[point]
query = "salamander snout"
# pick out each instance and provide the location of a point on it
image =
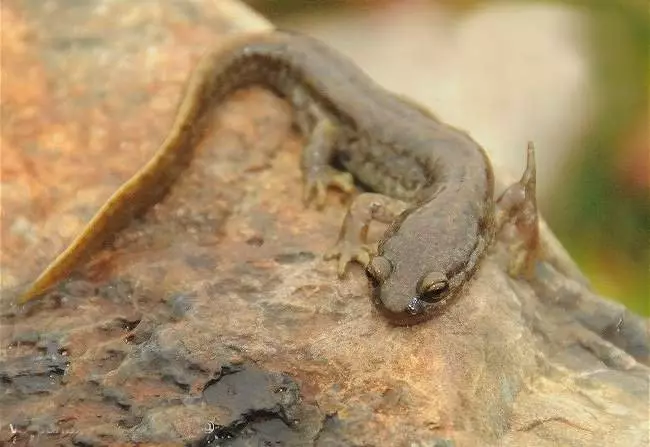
(407, 295)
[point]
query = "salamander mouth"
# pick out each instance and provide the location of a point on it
(417, 311)
(404, 318)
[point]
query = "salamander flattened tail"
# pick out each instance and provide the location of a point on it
(145, 188)
(58, 269)
(517, 218)
(352, 244)
(114, 214)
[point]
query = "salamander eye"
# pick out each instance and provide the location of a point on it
(379, 269)
(432, 287)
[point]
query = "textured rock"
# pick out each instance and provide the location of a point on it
(214, 320)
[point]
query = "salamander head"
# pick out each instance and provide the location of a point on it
(408, 294)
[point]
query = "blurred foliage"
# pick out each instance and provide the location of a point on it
(281, 8)
(601, 210)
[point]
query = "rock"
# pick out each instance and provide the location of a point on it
(215, 320)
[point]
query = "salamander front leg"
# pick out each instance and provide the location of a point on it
(316, 165)
(517, 220)
(352, 244)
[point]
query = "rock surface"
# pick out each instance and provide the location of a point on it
(214, 320)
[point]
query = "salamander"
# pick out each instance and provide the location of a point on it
(431, 182)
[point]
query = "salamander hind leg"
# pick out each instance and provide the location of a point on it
(316, 165)
(352, 244)
(517, 220)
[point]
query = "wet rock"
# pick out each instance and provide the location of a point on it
(244, 389)
(36, 374)
(263, 408)
(80, 440)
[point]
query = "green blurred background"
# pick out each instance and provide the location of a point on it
(600, 205)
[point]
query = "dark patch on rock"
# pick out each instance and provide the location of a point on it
(244, 284)
(201, 262)
(245, 388)
(263, 406)
(257, 240)
(84, 440)
(118, 290)
(259, 429)
(28, 375)
(295, 258)
(180, 304)
(118, 326)
(142, 332)
(152, 359)
(284, 314)
(108, 359)
(50, 344)
(330, 432)
(227, 285)
(117, 397)
(130, 421)
(128, 324)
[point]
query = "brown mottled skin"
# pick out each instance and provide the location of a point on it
(411, 160)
